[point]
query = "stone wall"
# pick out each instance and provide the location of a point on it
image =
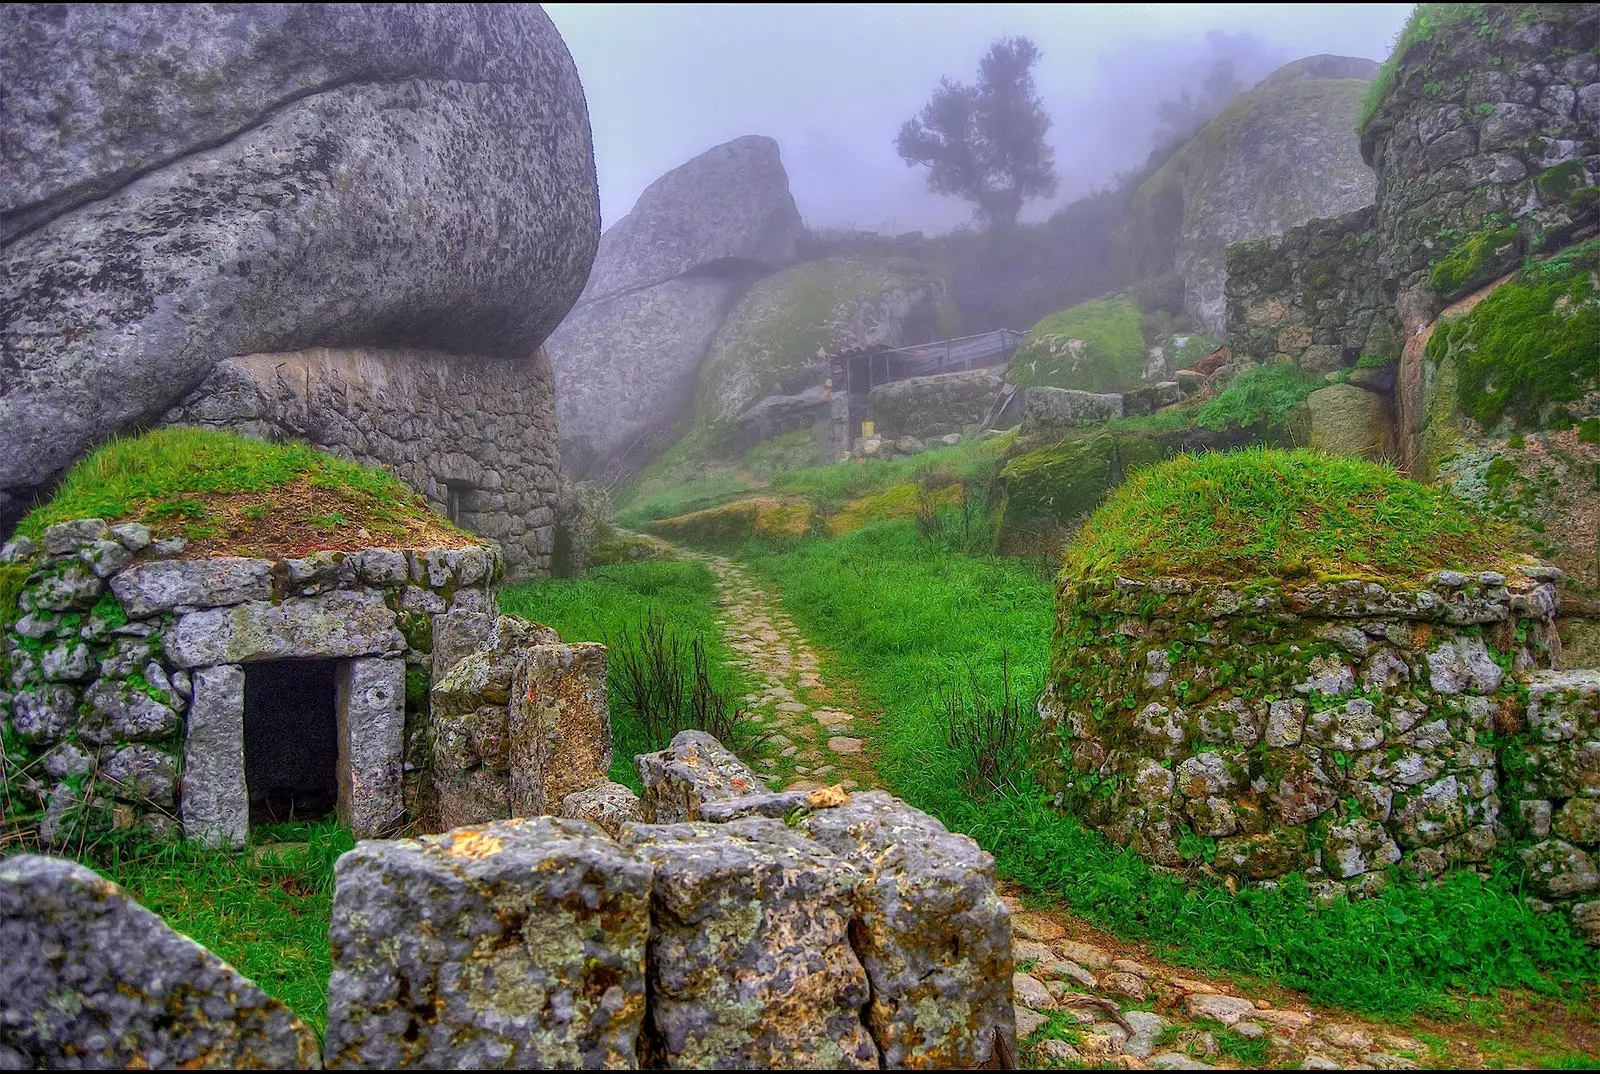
(1488, 129)
(126, 668)
(1312, 295)
(1330, 729)
(476, 436)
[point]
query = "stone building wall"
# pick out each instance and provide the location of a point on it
(1332, 729)
(127, 671)
(476, 436)
(1312, 295)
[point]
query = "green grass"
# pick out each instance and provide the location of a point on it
(609, 600)
(265, 915)
(1426, 21)
(830, 487)
(1261, 513)
(1112, 357)
(1263, 395)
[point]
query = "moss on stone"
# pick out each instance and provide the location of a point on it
(763, 516)
(1531, 345)
(1270, 514)
(1426, 22)
(1094, 347)
(1476, 260)
(1557, 184)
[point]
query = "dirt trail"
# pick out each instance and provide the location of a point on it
(1085, 997)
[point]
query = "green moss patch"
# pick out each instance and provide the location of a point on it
(1261, 513)
(224, 492)
(1532, 344)
(1095, 347)
(1478, 259)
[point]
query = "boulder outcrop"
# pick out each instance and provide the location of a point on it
(664, 278)
(186, 184)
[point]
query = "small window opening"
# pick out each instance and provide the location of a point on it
(456, 499)
(291, 740)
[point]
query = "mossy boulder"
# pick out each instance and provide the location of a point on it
(1095, 346)
(761, 516)
(1348, 420)
(774, 339)
(1277, 156)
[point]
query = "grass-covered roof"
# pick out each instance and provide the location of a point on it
(227, 494)
(1260, 514)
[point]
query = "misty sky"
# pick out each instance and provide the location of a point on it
(833, 83)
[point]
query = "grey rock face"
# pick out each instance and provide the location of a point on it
(939, 405)
(693, 770)
(163, 585)
(119, 710)
(610, 805)
(750, 961)
(517, 944)
(731, 203)
(558, 726)
(1049, 409)
(371, 706)
(933, 934)
(375, 174)
(141, 995)
(216, 806)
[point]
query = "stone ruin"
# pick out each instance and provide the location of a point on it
(1330, 729)
(202, 695)
(710, 923)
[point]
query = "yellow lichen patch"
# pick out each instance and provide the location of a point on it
(473, 843)
(828, 797)
(763, 516)
(899, 501)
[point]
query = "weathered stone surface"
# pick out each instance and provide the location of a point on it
(215, 805)
(779, 805)
(163, 585)
(120, 710)
(371, 713)
(933, 406)
(693, 770)
(1347, 420)
(933, 934)
(1051, 409)
(750, 958)
(609, 805)
(559, 726)
(514, 944)
(45, 714)
(376, 174)
(1225, 1009)
(339, 624)
(1560, 870)
(457, 634)
(91, 978)
(143, 774)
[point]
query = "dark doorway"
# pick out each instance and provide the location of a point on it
(291, 740)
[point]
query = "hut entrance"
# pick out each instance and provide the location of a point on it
(291, 740)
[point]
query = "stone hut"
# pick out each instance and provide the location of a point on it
(1329, 726)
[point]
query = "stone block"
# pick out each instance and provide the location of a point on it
(119, 710)
(45, 713)
(371, 718)
(332, 626)
(693, 770)
(750, 960)
(518, 944)
(92, 979)
(1067, 408)
(932, 934)
(215, 807)
(162, 585)
(1559, 870)
(559, 726)
(609, 805)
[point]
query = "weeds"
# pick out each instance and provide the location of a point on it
(663, 683)
(992, 740)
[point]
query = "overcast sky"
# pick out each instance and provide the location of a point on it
(833, 83)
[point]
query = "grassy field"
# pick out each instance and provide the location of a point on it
(896, 614)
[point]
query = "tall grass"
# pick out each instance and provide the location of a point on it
(894, 614)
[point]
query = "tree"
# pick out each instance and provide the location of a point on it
(985, 143)
(1180, 118)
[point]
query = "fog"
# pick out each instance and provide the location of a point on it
(833, 83)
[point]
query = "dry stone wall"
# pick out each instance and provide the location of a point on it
(1331, 729)
(126, 671)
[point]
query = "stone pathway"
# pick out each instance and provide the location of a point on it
(814, 736)
(1084, 998)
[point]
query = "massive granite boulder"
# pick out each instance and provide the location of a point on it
(667, 273)
(773, 341)
(182, 184)
(1281, 154)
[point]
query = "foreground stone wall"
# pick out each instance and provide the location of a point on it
(475, 436)
(127, 668)
(1330, 729)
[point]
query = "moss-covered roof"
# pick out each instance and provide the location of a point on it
(227, 494)
(1095, 346)
(1260, 514)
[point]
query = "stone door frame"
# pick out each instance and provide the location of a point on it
(369, 710)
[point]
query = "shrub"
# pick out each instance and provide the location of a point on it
(992, 739)
(664, 685)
